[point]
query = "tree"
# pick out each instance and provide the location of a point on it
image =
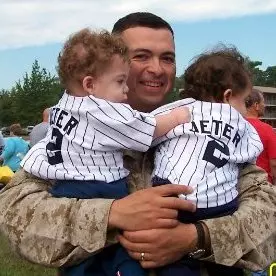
(174, 94)
(257, 74)
(34, 93)
(270, 76)
(262, 77)
(6, 104)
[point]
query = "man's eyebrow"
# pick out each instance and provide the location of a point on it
(141, 50)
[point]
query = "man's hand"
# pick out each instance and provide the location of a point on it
(150, 208)
(160, 246)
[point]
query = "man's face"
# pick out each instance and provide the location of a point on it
(261, 107)
(152, 66)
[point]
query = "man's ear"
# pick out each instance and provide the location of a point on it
(227, 95)
(256, 106)
(88, 85)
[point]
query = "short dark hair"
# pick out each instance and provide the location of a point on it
(214, 72)
(141, 19)
(254, 97)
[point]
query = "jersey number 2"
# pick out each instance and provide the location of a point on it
(53, 148)
(209, 154)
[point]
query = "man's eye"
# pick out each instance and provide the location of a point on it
(120, 81)
(140, 57)
(169, 59)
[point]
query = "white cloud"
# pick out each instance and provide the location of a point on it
(37, 22)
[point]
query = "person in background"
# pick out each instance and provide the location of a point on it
(2, 143)
(255, 109)
(15, 148)
(1, 150)
(40, 130)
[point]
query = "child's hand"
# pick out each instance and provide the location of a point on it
(181, 114)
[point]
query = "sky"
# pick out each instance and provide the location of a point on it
(36, 29)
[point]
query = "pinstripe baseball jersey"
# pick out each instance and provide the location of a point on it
(85, 140)
(207, 152)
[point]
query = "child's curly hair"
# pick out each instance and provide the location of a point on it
(213, 72)
(88, 53)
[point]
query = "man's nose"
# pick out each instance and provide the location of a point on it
(155, 66)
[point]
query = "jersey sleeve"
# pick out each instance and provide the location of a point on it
(249, 145)
(178, 130)
(118, 126)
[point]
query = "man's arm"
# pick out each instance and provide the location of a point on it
(247, 238)
(62, 231)
(273, 170)
(51, 231)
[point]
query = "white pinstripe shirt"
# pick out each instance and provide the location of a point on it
(85, 140)
(207, 152)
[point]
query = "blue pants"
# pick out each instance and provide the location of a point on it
(259, 273)
(190, 267)
(113, 260)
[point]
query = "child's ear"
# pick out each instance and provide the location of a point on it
(88, 84)
(227, 95)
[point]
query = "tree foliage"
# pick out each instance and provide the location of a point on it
(6, 107)
(25, 102)
(174, 94)
(262, 77)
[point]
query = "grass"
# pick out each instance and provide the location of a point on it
(12, 265)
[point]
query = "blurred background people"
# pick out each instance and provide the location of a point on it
(1, 143)
(255, 109)
(15, 148)
(39, 131)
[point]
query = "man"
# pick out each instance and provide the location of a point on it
(255, 109)
(39, 131)
(59, 231)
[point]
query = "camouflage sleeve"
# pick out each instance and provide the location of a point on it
(51, 231)
(247, 238)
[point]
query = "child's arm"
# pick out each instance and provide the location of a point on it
(166, 122)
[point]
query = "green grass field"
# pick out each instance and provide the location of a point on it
(12, 265)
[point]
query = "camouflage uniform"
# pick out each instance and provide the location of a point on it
(57, 231)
